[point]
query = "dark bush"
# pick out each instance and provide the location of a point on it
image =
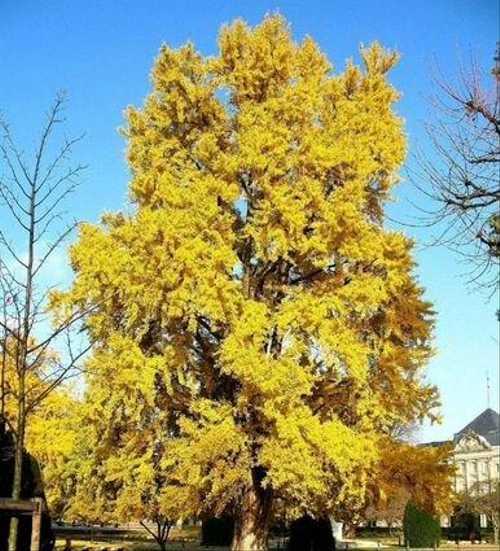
(420, 529)
(309, 534)
(465, 526)
(217, 531)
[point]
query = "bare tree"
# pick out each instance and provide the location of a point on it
(461, 173)
(32, 190)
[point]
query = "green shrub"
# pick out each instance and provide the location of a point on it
(420, 528)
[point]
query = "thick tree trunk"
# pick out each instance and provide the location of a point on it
(252, 521)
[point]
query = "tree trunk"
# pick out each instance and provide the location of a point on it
(18, 464)
(349, 530)
(16, 494)
(252, 520)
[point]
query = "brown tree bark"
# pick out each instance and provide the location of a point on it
(252, 520)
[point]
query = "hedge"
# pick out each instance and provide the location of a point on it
(420, 529)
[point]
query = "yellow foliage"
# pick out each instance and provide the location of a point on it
(252, 312)
(53, 437)
(424, 473)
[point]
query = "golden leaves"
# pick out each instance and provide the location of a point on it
(425, 473)
(252, 310)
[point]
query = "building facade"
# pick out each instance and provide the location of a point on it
(476, 454)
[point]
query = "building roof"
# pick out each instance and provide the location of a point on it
(436, 443)
(487, 425)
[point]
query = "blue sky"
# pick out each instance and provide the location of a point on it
(102, 52)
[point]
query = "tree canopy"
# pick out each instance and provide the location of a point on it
(251, 306)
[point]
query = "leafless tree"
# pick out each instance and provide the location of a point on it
(460, 173)
(32, 191)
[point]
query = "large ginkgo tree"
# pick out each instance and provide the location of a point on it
(251, 306)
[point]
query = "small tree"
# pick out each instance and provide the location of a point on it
(31, 194)
(488, 503)
(422, 475)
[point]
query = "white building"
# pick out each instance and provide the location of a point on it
(476, 454)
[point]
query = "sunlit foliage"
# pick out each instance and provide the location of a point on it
(254, 318)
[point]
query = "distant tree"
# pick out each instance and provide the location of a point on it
(420, 474)
(31, 194)
(483, 498)
(53, 437)
(460, 174)
(389, 509)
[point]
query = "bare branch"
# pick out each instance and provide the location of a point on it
(12, 210)
(60, 198)
(10, 248)
(75, 317)
(63, 153)
(9, 196)
(53, 247)
(17, 154)
(52, 119)
(63, 375)
(461, 175)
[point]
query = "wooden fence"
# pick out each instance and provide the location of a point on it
(31, 507)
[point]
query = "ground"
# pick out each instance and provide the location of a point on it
(187, 546)
(185, 540)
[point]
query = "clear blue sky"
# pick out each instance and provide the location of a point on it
(101, 52)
